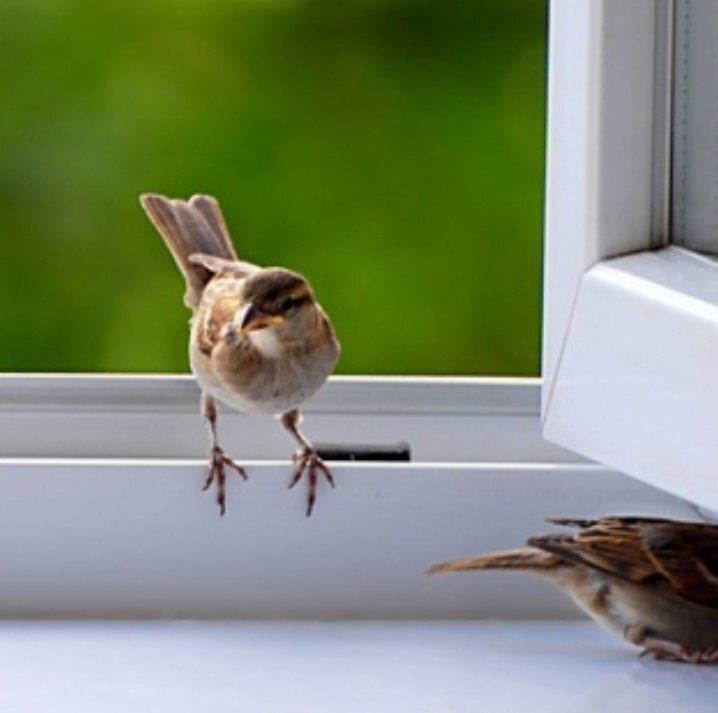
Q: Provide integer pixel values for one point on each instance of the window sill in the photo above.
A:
(417, 667)
(102, 518)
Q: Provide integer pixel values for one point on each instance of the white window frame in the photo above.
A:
(100, 475)
(103, 516)
(631, 323)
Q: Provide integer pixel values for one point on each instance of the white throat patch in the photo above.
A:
(266, 342)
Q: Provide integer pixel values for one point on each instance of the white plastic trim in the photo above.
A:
(101, 512)
(600, 155)
(442, 420)
(159, 393)
(638, 378)
(631, 343)
(102, 538)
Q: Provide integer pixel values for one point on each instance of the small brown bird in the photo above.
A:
(654, 582)
(259, 341)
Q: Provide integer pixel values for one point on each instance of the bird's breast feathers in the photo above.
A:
(255, 373)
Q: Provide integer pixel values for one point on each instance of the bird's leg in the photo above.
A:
(218, 459)
(670, 651)
(306, 459)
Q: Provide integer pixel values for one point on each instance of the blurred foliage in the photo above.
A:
(391, 150)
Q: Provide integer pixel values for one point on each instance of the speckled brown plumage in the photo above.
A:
(259, 341)
(652, 581)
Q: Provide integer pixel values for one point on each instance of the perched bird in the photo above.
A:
(259, 341)
(654, 582)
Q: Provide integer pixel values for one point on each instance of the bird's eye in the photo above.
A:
(287, 304)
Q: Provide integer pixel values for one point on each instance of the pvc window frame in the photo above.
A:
(100, 475)
(630, 321)
(103, 516)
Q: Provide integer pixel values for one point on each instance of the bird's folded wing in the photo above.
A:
(611, 545)
(686, 554)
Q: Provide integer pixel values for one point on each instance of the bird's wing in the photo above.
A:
(612, 545)
(686, 554)
(682, 555)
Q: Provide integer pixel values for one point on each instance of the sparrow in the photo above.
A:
(653, 582)
(259, 341)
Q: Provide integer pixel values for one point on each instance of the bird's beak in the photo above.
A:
(252, 318)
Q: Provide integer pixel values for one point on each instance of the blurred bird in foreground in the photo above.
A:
(652, 581)
(259, 341)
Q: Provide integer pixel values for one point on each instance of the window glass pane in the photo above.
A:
(392, 150)
(695, 125)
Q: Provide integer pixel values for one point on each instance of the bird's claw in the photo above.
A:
(218, 460)
(307, 460)
(669, 651)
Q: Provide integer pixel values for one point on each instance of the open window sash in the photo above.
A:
(631, 321)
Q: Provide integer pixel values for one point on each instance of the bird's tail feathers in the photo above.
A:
(525, 559)
(191, 227)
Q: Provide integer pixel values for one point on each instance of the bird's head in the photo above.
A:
(277, 303)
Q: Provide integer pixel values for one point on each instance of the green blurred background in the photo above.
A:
(391, 150)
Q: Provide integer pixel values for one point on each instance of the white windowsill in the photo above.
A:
(406, 667)
(102, 517)
(101, 512)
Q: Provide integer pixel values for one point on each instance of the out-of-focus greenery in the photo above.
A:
(391, 150)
